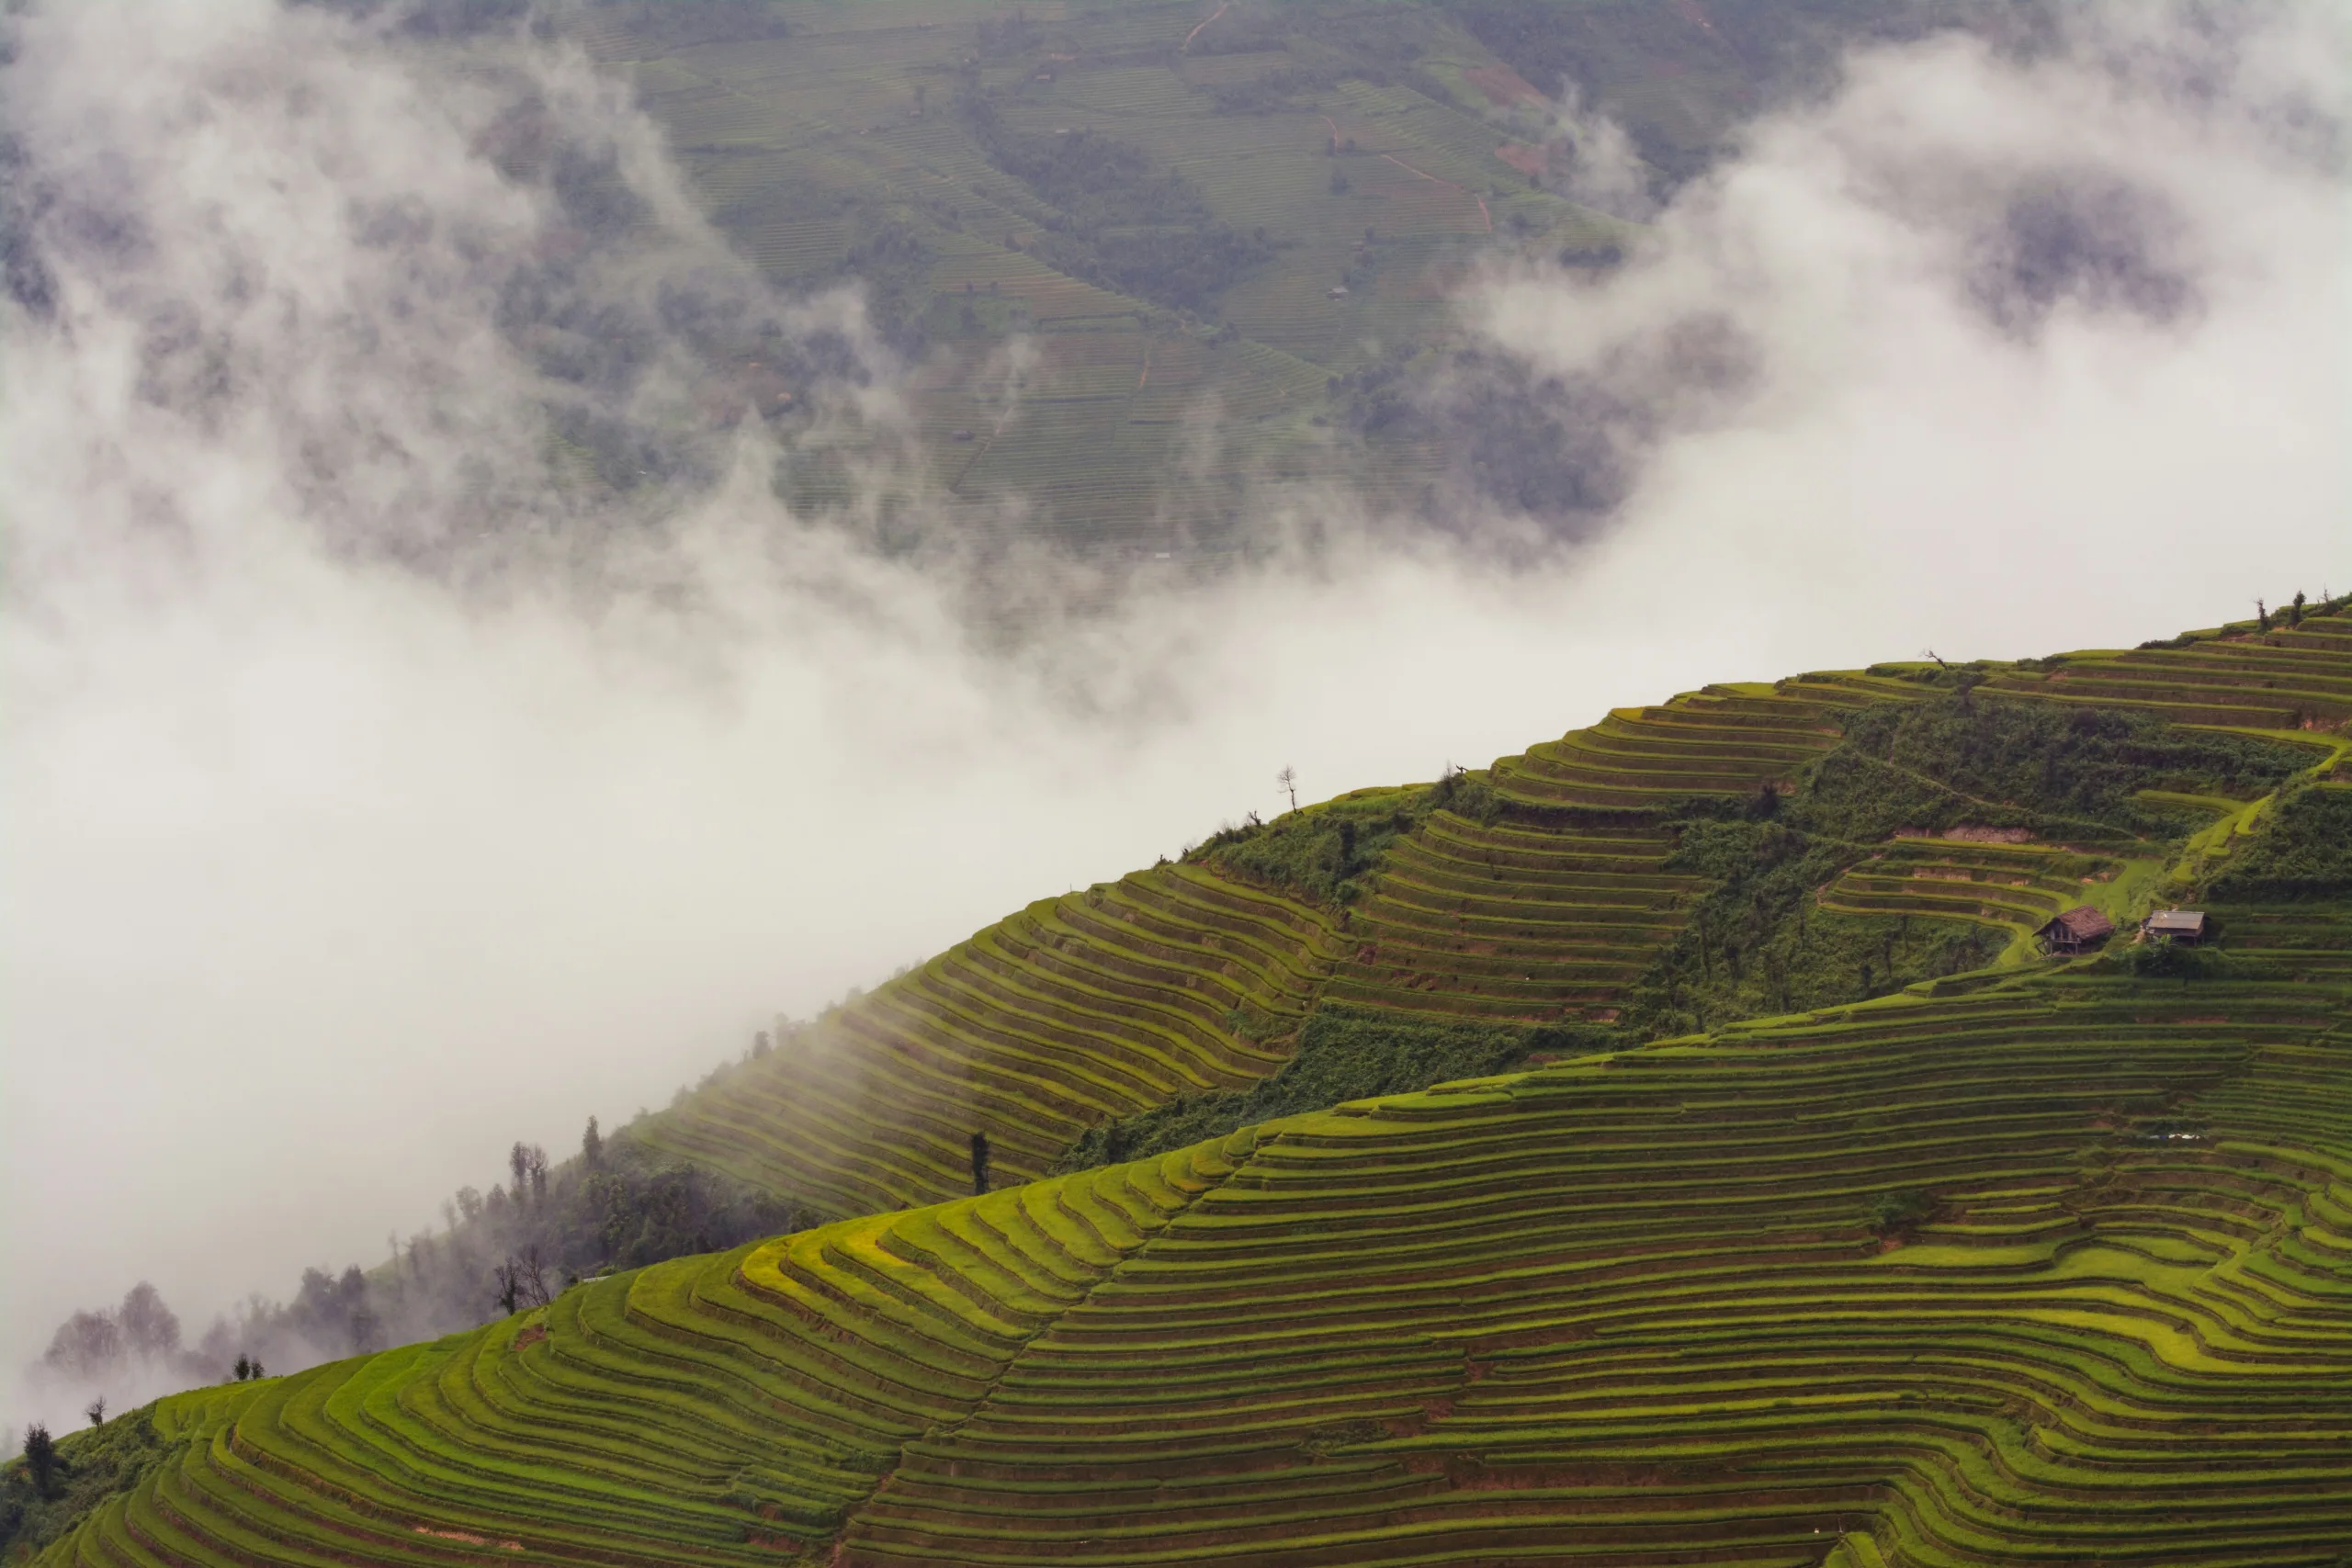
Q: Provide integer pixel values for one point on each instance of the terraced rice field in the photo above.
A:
(1076, 1009)
(2284, 679)
(2019, 886)
(1554, 912)
(1628, 1310)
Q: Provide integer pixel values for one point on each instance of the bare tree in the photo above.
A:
(97, 1411)
(1288, 781)
(522, 1282)
(87, 1346)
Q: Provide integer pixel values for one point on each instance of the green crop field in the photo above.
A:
(2045, 1261)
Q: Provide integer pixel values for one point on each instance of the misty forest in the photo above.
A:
(552, 543)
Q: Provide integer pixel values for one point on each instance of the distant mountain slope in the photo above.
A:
(1146, 254)
(1550, 889)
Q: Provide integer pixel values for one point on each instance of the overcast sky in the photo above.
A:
(324, 877)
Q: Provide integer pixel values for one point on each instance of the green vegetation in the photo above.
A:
(2064, 773)
(47, 1490)
(2304, 850)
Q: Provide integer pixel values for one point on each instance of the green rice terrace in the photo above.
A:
(1669, 1145)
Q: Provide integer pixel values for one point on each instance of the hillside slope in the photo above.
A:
(1144, 255)
(1557, 887)
(2056, 1268)
(2045, 1260)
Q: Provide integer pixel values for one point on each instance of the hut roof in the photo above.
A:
(2082, 922)
(2176, 921)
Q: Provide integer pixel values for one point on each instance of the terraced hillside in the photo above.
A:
(1075, 1010)
(2054, 1271)
(2017, 886)
(1536, 892)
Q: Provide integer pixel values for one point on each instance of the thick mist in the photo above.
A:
(377, 794)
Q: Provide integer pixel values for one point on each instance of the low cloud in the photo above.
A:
(377, 794)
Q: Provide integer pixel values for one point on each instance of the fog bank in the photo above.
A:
(375, 797)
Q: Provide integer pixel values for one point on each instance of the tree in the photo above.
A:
(243, 1368)
(40, 1457)
(149, 1330)
(2262, 614)
(87, 1346)
(2295, 609)
(1288, 781)
(522, 1282)
(591, 1146)
(518, 1160)
(979, 1163)
(97, 1411)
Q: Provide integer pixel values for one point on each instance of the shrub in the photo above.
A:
(1897, 1215)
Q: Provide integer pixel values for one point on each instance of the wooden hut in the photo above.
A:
(2174, 925)
(2075, 929)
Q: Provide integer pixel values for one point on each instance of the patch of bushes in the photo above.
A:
(1758, 943)
(84, 1468)
(2303, 852)
(2058, 770)
(1898, 1215)
(1343, 1053)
